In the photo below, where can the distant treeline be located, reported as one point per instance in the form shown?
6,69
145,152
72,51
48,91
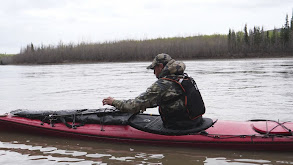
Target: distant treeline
253,43
264,43
126,50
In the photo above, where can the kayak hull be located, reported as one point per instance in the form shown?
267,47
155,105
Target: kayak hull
223,135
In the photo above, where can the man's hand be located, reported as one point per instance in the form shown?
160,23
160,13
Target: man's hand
108,101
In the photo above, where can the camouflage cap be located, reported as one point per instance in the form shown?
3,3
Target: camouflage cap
162,58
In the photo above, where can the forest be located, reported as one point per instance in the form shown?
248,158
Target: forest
254,42
260,43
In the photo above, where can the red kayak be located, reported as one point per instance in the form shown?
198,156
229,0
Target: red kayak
248,135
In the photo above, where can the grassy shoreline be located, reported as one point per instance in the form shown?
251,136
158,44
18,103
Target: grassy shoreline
6,59
4,55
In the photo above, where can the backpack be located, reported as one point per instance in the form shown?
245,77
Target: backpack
193,101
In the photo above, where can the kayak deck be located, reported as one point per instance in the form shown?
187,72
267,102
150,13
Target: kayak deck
223,134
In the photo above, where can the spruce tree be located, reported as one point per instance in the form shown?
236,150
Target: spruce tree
246,37
285,33
233,41
229,40
291,34
32,47
291,25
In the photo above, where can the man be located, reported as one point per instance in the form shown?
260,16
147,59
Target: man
165,93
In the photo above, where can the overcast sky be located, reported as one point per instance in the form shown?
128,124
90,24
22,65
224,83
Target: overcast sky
51,21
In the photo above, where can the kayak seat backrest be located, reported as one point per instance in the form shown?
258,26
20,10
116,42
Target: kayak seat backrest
154,124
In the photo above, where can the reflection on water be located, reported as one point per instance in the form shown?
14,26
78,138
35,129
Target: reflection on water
232,90
31,149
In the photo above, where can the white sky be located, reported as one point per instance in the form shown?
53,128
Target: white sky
51,21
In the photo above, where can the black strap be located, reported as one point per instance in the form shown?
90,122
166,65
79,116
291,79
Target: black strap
74,126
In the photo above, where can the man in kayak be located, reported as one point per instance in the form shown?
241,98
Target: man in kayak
166,94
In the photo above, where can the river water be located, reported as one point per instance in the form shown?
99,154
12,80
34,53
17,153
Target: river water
240,90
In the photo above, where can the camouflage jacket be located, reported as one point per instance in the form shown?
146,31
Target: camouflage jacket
163,93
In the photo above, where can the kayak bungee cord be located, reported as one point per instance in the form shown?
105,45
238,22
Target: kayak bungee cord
268,134
279,124
102,121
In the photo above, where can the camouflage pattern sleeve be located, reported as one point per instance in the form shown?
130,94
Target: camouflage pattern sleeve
148,99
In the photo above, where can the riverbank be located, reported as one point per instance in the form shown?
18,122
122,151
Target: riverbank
7,59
